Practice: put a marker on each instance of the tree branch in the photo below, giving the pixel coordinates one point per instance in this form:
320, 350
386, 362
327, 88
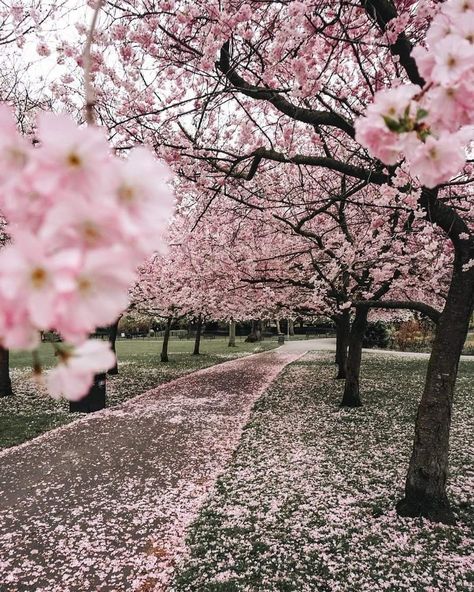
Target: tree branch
383, 11
330, 163
277, 100
425, 309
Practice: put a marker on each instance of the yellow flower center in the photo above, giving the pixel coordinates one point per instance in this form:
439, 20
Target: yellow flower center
84, 285
74, 160
38, 277
18, 157
90, 232
126, 193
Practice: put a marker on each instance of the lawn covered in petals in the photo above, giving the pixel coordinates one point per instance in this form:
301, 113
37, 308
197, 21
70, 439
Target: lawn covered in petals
307, 503
31, 411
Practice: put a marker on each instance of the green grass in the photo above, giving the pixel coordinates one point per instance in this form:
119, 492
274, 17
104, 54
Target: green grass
307, 503
146, 351
31, 411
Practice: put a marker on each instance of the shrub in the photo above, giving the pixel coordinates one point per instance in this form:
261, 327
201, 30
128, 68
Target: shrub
377, 334
409, 336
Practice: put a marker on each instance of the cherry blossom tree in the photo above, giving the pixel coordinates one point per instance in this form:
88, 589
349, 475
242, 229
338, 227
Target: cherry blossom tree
255, 85
79, 221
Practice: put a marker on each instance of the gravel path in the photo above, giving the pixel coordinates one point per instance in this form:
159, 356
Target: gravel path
102, 504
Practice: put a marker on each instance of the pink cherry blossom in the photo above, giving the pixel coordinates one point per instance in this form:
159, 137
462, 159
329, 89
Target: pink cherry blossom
30, 274
437, 159
70, 156
379, 140
75, 372
392, 103
16, 328
43, 49
453, 58
99, 295
80, 220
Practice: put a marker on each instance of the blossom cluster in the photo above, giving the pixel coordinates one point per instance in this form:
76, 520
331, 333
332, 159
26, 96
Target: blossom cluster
80, 220
430, 127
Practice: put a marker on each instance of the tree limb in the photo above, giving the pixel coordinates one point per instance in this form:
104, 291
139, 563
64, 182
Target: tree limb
383, 11
425, 309
277, 100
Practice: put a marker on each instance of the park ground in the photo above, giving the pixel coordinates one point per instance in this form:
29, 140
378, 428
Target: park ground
304, 497
307, 502
32, 411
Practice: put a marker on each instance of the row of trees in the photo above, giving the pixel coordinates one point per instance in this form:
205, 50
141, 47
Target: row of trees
254, 106
259, 110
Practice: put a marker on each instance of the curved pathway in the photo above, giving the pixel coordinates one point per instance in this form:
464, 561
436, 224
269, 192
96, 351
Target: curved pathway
102, 504
329, 344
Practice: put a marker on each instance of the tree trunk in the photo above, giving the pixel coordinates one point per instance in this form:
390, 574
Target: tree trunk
278, 328
166, 338
5, 382
343, 326
255, 332
231, 333
351, 397
425, 488
95, 400
197, 340
291, 327
113, 330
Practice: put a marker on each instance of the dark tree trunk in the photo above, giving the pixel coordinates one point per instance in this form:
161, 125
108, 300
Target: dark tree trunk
197, 340
343, 327
425, 488
231, 333
255, 332
113, 330
166, 338
95, 399
351, 397
5, 382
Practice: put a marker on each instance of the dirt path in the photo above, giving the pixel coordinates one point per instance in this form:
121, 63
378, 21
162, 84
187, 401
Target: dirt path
102, 504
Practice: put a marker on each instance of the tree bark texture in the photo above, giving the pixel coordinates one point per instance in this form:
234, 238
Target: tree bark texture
255, 332
232, 333
351, 396
113, 330
5, 381
425, 488
166, 338
197, 340
343, 327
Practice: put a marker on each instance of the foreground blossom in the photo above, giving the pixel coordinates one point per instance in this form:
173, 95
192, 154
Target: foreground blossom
73, 375
431, 128
80, 221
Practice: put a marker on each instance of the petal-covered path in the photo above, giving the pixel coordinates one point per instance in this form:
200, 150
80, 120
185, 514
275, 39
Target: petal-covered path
102, 504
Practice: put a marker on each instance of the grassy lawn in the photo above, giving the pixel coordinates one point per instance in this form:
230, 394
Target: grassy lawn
307, 502
31, 411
